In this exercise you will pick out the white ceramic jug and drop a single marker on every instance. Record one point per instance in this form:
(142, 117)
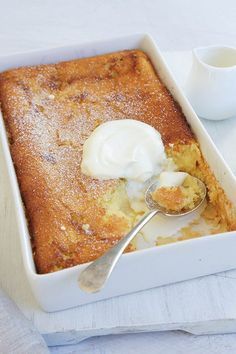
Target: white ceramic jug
(211, 84)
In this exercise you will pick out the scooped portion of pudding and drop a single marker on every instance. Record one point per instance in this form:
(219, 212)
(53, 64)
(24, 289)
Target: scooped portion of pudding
(179, 198)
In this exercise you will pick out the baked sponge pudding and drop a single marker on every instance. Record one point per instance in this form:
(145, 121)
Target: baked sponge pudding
(50, 111)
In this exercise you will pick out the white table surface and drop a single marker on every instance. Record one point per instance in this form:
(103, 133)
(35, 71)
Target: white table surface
(176, 25)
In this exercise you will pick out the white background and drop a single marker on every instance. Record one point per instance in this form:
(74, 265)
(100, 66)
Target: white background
(175, 25)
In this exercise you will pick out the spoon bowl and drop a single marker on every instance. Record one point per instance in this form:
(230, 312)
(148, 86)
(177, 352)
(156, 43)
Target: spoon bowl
(151, 204)
(93, 278)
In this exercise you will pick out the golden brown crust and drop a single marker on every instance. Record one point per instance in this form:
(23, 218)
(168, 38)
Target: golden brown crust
(49, 112)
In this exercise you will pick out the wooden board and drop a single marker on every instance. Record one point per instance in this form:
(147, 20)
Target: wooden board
(200, 306)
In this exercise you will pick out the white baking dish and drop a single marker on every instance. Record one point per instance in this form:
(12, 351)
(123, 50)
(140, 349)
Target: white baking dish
(142, 269)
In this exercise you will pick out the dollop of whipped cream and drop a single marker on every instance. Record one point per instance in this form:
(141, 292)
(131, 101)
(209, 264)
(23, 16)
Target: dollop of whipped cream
(124, 148)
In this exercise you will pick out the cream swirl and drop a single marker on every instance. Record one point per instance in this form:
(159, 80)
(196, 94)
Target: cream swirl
(124, 148)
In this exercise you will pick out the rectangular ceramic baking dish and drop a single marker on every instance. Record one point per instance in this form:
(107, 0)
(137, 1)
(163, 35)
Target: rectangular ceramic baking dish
(142, 269)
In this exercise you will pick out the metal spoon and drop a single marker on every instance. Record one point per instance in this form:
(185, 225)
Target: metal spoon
(93, 278)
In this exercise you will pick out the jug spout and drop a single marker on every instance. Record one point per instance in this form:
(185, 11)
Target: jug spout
(211, 84)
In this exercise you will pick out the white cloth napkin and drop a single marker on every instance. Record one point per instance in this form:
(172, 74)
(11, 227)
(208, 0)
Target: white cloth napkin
(17, 334)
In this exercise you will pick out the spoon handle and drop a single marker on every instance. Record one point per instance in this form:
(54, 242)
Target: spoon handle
(94, 277)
